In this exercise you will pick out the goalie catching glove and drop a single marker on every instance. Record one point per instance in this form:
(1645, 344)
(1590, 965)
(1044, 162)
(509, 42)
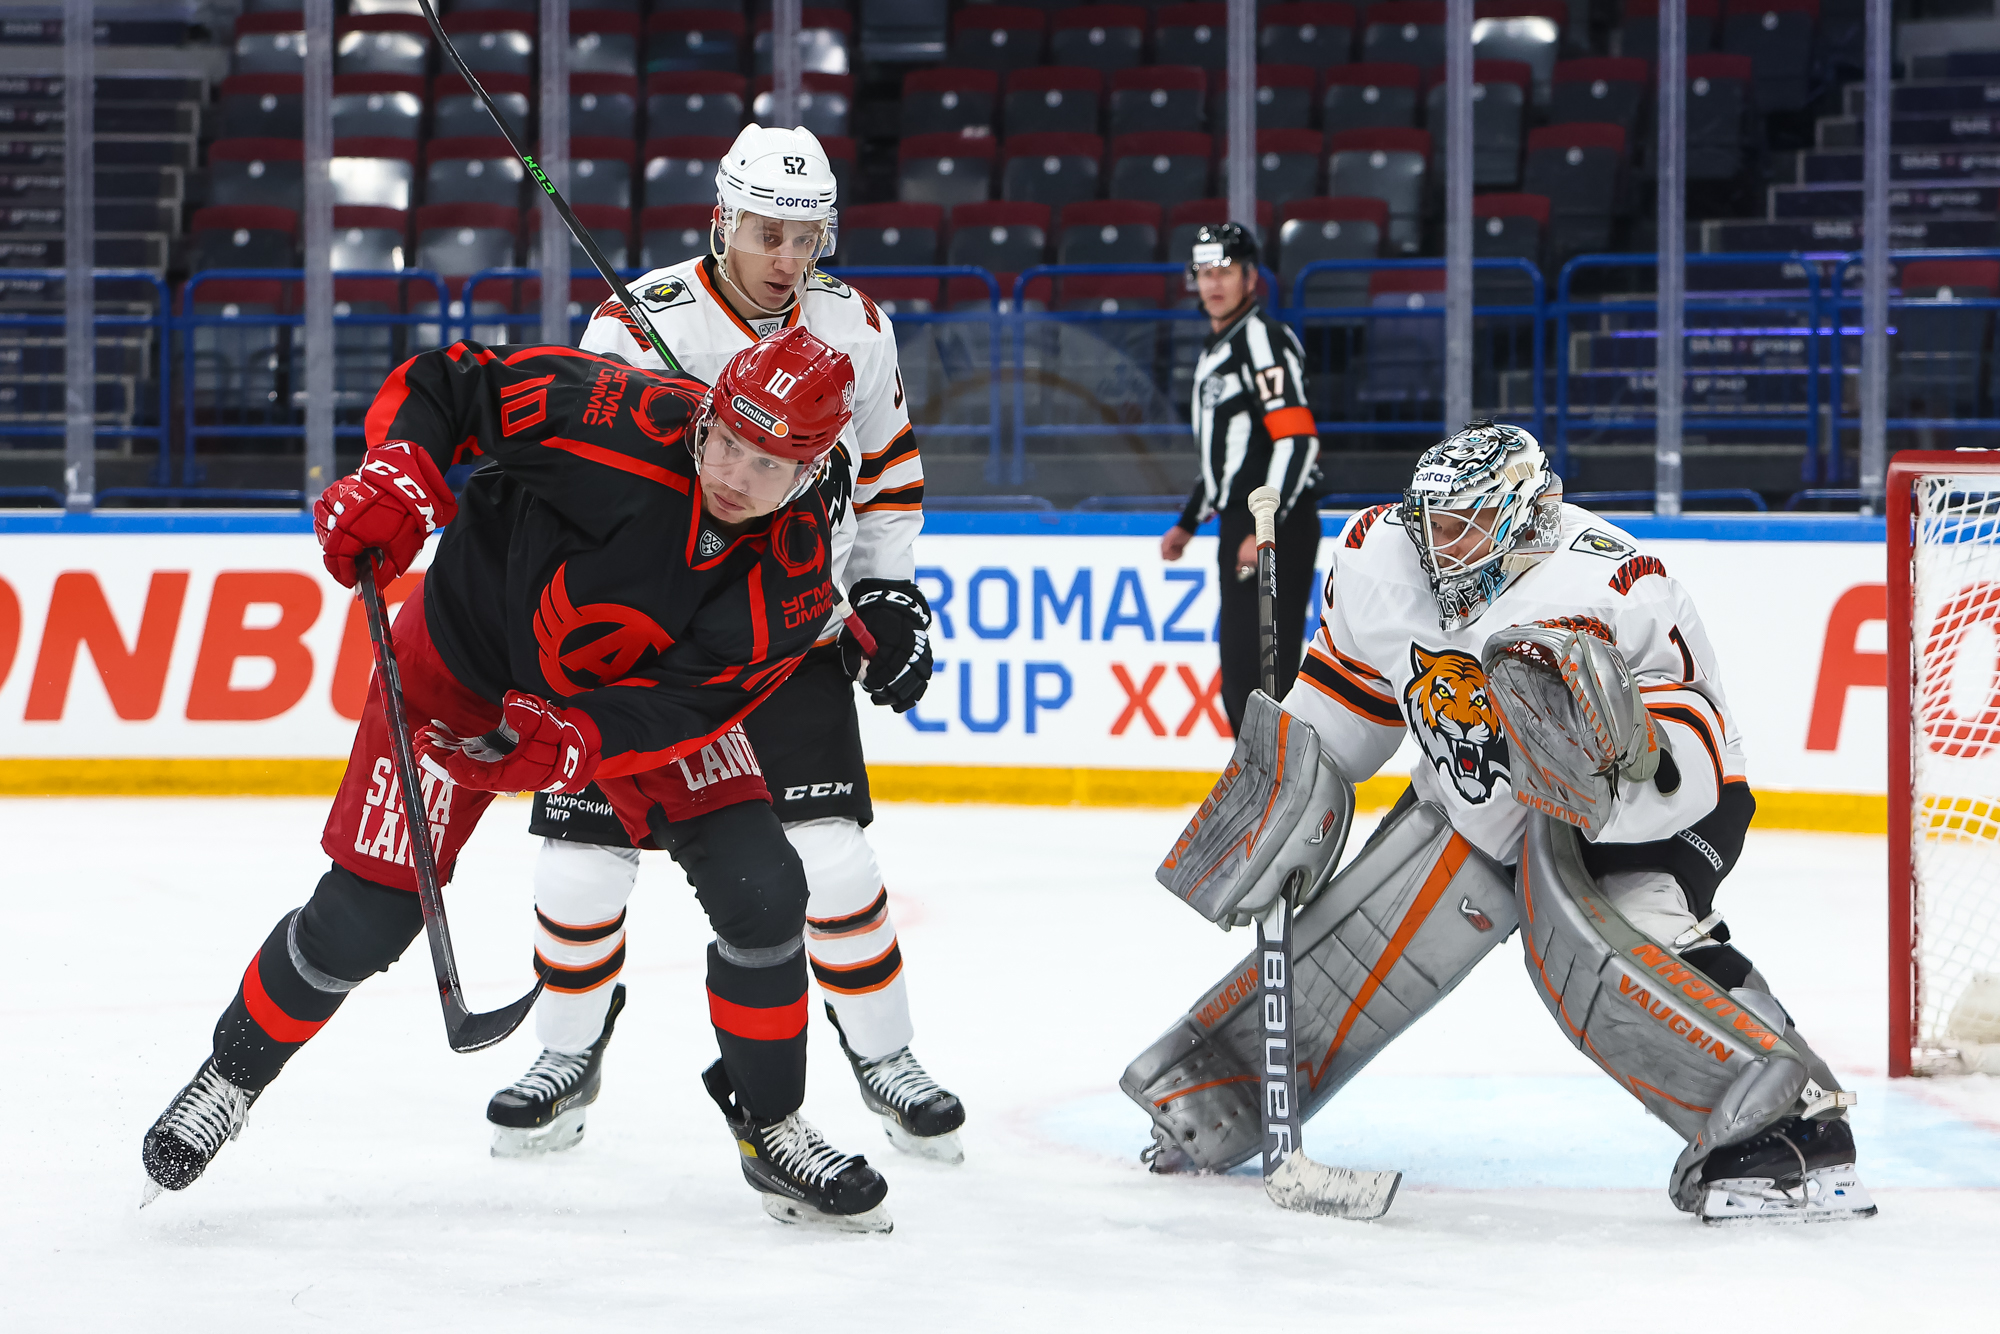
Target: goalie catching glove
(395, 501)
(1575, 721)
(538, 747)
(897, 615)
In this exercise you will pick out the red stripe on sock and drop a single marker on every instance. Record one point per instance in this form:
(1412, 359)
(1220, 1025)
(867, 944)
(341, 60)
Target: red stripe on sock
(274, 1021)
(759, 1024)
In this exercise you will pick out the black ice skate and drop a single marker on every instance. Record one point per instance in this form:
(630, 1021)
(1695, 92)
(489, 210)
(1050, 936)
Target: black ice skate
(188, 1135)
(542, 1111)
(917, 1115)
(1798, 1171)
(801, 1178)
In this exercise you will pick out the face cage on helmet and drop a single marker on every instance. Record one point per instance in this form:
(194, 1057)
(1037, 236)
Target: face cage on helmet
(721, 230)
(1464, 589)
(808, 476)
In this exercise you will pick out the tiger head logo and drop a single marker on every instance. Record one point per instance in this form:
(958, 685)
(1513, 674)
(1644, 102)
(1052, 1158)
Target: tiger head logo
(1452, 714)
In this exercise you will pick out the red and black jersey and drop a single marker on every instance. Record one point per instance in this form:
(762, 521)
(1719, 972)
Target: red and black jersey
(581, 567)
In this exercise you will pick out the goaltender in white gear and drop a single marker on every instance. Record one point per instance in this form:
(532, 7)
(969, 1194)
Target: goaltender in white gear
(774, 220)
(1483, 567)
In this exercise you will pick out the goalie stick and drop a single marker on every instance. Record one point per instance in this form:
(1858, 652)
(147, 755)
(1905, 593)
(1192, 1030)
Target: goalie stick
(1292, 1180)
(602, 264)
(465, 1030)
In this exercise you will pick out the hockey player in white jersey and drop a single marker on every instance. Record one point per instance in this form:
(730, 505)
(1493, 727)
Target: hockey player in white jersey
(1542, 661)
(774, 221)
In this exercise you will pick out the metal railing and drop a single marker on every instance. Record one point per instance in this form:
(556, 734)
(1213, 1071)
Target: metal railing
(1022, 381)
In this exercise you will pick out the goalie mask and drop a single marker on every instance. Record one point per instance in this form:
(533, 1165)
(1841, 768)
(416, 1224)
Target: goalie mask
(781, 405)
(1482, 508)
(774, 217)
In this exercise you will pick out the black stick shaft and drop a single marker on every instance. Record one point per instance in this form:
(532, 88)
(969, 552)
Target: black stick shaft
(416, 819)
(576, 228)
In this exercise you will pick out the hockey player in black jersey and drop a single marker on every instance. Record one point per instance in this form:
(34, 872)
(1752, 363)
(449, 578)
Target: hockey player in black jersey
(1252, 428)
(638, 563)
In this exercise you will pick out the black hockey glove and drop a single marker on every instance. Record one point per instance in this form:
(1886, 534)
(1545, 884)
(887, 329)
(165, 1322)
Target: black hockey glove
(899, 618)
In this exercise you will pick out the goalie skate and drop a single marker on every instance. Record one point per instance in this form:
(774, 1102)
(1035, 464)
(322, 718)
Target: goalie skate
(543, 1110)
(800, 1177)
(184, 1141)
(1825, 1195)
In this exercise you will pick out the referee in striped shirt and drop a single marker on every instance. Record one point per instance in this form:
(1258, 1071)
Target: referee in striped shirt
(1252, 427)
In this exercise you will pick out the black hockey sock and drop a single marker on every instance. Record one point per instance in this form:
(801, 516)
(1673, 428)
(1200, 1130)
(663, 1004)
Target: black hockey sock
(759, 1012)
(1723, 963)
(313, 957)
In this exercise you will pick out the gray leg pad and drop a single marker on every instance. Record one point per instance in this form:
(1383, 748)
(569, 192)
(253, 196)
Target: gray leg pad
(1392, 935)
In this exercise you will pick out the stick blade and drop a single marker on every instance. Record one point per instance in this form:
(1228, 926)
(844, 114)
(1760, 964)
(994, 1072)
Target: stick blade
(471, 1032)
(1302, 1185)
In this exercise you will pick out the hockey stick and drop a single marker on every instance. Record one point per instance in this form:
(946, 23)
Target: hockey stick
(576, 229)
(1292, 1180)
(463, 1029)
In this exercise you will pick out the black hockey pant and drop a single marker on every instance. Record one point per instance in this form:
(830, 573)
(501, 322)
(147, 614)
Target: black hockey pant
(745, 875)
(1239, 634)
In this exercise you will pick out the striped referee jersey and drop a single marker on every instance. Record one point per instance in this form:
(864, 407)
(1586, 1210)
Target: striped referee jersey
(1251, 423)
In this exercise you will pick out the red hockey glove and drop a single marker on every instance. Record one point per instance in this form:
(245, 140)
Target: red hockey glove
(538, 747)
(396, 500)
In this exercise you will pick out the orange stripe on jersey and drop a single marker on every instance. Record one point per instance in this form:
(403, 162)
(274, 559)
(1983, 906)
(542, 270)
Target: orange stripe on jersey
(652, 472)
(1289, 422)
(1337, 685)
(1692, 719)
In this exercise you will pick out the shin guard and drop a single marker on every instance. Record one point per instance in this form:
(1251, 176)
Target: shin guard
(850, 939)
(580, 895)
(757, 1002)
(1390, 937)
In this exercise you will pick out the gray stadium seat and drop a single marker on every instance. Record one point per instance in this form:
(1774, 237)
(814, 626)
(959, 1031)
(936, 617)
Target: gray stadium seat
(1370, 96)
(603, 41)
(824, 36)
(1610, 90)
(694, 101)
(1163, 167)
(883, 235)
(268, 44)
(904, 31)
(1053, 168)
(257, 171)
(1500, 92)
(694, 39)
(374, 172)
(1052, 99)
(369, 238)
(1109, 231)
(457, 240)
(600, 172)
(670, 233)
(680, 169)
(1405, 361)
(494, 41)
(945, 169)
(476, 169)
(1158, 97)
(1580, 169)
(1284, 98)
(243, 236)
(825, 102)
(949, 101)
(609, 226)
(1288, 165)
(1529, 31)
(262, 105)
(1410, 32)
(997, 37)
(1388, 165)
(1107, 38)
(1935, 355)
(1722, 126)
(1508, 226)
(382, 44)
(1192, 35)
(1314, 35)
(604, 104)
(1777, 35)
(384, 106)
(1000, 237)
(1639, 34)
(1319, 230)
(457, 112)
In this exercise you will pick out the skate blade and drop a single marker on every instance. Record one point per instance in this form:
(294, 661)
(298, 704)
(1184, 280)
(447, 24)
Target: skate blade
(787, 1210)
(943, 1148)
(565, 1132)
(149, 1191)
(1303, 1185)
(1831, 1195)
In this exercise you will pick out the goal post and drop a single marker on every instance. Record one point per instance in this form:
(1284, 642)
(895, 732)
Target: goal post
(1944, 761)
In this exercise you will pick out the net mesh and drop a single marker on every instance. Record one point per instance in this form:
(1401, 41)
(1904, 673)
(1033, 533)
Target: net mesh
(1955, 759)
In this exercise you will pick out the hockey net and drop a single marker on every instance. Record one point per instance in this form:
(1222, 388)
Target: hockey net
(1944, 762)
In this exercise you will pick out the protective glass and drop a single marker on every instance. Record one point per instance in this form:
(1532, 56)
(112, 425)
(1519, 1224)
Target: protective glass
(781, 238)
(726, 459)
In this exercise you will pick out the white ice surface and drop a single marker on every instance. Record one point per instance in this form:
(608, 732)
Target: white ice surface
(1041, 958)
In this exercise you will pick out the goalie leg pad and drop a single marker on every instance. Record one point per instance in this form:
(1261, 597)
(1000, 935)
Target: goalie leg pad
(1277, 817)
(1391, 936)
(1714, 1064)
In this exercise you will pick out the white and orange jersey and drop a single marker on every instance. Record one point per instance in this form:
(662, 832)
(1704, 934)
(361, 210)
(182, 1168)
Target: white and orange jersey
(1380, 666)
(873, 536)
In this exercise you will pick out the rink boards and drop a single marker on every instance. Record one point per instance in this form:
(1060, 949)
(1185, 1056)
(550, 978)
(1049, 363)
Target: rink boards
(211, 653)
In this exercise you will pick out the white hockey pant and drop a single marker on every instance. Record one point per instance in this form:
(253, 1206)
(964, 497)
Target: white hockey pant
(580, 895)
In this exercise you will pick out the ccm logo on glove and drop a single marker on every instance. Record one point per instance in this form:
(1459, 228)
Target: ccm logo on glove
(538, 747)
(899, 671)
(394, 502)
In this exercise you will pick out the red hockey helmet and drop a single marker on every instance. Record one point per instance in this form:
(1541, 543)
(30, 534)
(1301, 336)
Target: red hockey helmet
(789, 395)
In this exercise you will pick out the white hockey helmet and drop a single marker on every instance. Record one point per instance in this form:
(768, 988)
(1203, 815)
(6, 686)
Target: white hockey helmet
(781, 174)
(1482, 508)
